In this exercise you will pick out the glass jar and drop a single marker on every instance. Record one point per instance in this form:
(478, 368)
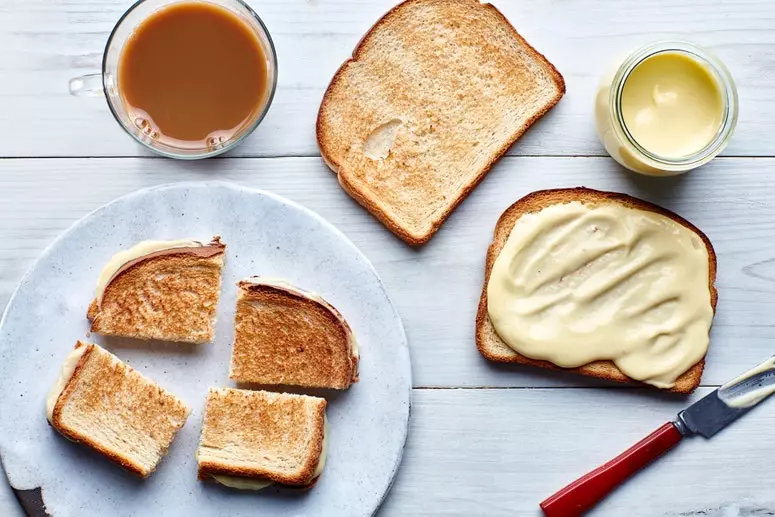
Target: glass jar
(618, 140)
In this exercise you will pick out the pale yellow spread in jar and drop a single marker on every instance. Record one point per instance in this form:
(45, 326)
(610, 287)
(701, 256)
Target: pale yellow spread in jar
(577, 283)
(672, 105)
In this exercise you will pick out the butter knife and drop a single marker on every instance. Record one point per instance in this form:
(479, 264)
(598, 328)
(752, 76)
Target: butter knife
(705, 417)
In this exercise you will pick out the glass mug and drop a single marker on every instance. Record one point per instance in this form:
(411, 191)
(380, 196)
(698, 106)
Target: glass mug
(106, 82)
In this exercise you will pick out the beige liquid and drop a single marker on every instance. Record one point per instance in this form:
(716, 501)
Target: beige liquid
(192, 75)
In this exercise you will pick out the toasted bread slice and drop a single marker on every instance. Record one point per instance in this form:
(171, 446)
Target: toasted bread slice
(492, 346)
(105, 404)
(434, 95)
(170, 294)
(286, 336)
(262, 436)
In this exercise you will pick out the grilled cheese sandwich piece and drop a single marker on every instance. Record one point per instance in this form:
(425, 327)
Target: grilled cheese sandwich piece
(244, 483)
(284, 335)
(105, 404)
(253, 439)
(165, 290)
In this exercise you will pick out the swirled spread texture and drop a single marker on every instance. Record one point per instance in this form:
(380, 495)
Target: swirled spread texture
(576, 283)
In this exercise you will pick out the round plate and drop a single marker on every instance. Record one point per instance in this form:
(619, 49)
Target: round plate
(265, 235)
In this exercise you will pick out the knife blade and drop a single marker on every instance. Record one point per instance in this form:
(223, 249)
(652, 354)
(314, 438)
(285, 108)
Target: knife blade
(706, 417)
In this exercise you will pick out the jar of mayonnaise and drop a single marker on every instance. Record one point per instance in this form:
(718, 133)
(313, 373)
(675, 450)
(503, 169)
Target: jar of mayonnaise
(669, 107)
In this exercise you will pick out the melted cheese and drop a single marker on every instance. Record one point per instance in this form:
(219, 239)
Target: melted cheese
(576, 283)
(135, 252)
(68, 368)
(242, 483)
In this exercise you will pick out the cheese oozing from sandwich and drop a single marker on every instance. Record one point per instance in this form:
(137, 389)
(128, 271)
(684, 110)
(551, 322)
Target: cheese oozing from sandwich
(242, 483)
(137, 251)
(246, 483)
(577, 283)
(65, 374)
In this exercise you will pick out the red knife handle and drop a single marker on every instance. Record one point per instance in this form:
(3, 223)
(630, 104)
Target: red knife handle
(584, 493)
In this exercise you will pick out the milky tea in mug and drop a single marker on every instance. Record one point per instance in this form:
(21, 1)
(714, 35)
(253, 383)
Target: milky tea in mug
(192, 75)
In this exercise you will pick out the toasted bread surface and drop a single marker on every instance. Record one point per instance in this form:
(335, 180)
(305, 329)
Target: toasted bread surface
(171, 297)
(259, 434)
(434, 94)
(284, 336)
(110, 407)
(492, 346)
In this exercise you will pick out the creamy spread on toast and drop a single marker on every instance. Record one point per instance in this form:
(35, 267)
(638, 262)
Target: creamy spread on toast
(145, 250)
(576, 283)
(246, 483)
(65, 374)
(284, 285)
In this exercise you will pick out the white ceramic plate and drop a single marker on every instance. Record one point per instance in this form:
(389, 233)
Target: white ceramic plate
(265, 235)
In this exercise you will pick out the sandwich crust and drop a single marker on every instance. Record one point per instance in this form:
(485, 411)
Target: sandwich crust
(170, 295)
(110, 407)
(276, 437)
(395, 76)
(285, 336)
(492, 347)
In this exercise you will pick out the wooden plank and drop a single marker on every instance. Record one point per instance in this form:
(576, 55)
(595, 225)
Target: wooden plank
(48, 42)
(500, 452)
(436, 288)
(476, 452)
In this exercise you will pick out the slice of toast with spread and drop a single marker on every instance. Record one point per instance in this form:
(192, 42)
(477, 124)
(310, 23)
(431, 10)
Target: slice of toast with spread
(494, 348)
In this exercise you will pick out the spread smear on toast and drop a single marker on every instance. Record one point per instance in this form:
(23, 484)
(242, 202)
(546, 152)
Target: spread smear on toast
(492, 346)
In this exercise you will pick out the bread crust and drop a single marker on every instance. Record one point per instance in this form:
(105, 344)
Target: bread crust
(374, 205)
(302, 479)
(491, 346)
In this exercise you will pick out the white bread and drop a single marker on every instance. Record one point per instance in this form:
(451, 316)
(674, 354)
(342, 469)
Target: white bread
(108, 406)
(273, 437)
(434, 95)
(286, 336)
(171, 295)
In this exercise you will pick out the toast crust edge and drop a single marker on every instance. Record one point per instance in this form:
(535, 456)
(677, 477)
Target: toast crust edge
(373, 206)
(73, 435)
(537, 200)
(302, 480)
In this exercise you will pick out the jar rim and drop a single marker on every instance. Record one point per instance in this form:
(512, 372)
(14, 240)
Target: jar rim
(728, 94)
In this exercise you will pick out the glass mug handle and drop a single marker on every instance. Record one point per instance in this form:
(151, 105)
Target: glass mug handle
(86, 86)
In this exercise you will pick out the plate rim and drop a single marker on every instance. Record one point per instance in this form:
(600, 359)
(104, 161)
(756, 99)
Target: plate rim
(403, 347)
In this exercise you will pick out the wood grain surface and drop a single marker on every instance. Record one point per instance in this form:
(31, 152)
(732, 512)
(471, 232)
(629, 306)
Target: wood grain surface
(485, 440)
(48, 42)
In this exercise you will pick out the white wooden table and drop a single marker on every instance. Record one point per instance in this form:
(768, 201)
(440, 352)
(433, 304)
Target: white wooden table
(485, 440)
